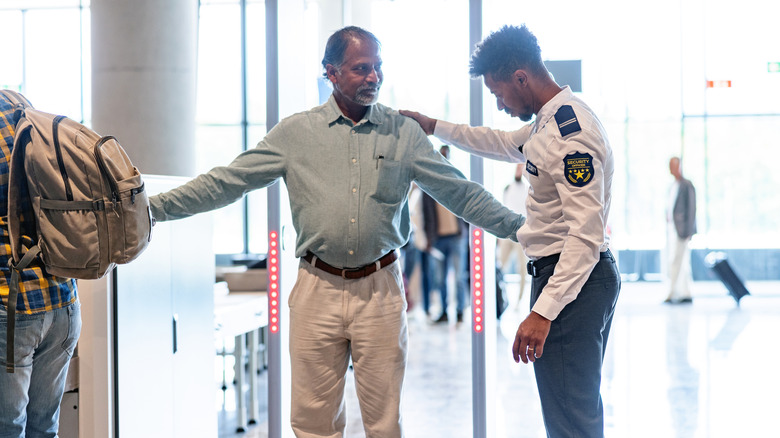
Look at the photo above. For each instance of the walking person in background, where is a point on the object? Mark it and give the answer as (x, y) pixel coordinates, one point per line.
(515, 194)
(447, 244)
(416, 253)
(681, 226)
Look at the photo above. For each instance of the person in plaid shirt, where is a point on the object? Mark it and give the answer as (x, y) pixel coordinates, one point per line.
(48, 321)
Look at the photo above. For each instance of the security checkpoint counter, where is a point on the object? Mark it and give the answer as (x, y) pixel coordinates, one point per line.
(242, 314)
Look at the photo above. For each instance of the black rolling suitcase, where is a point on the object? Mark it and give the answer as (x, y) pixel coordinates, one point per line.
(720, 264)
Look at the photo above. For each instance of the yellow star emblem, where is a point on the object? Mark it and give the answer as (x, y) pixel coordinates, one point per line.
(579, 174)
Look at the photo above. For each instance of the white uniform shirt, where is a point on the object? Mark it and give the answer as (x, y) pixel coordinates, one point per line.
(569, 166)
(515, 195)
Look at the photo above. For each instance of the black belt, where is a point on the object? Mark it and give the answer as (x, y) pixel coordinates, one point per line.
(534, 266)
(352, 273)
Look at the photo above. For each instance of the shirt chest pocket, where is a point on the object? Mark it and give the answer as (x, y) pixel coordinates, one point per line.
(392, 181)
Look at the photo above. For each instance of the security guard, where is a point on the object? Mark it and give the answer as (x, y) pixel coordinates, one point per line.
(569, 166)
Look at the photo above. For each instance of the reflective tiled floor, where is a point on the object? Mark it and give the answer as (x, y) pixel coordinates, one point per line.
(708, 369)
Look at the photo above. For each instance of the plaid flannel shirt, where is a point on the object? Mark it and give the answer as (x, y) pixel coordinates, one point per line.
(38, 291)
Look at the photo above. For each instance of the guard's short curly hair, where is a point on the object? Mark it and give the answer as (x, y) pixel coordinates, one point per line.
(506, 50)
(337, 45)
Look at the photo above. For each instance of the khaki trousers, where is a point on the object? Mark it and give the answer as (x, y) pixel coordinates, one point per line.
(679, 259)
(332, 318)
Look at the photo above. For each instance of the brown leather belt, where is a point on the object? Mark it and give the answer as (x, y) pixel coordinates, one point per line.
(352, 273)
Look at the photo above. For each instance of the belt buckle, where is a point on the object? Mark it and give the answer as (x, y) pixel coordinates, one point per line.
(531, 268)
(344, 272)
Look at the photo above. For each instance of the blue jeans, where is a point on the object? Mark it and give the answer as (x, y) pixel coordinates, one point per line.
(454, 250)
(413, 257)
(426, 278)
(568, 375)
(30, 396)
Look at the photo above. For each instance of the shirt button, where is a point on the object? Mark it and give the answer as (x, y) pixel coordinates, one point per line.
(354, 190)
(354, 160)
(352, 220)
(351, 252)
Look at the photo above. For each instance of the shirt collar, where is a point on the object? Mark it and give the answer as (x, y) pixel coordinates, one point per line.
(373, 114)
(549, 109)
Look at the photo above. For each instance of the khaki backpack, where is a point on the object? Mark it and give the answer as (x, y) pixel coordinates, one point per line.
(91, 209)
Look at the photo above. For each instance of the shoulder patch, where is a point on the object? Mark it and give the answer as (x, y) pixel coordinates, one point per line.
(530, 168)
(567, 121)
(578, 169)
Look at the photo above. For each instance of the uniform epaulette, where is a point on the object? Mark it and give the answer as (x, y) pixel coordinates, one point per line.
(567, 121)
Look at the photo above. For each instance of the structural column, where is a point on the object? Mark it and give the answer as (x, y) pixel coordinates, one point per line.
(144, 64)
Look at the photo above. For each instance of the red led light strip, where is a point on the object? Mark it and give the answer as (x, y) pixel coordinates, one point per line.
(718, 84)
(477, 281)
(273, 281)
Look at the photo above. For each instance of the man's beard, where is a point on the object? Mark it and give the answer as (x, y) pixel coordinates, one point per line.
(364, 99)
(523, 117)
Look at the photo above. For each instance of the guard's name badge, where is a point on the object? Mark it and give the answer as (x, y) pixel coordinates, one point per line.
(578, 169)
(530, 168)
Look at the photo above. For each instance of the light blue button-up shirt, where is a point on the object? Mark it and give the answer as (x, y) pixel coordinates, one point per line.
(348, 183)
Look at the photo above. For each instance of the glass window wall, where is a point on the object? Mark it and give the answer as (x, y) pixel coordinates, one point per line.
(231, 110)
(668, 78)
(55, 78)
(671, 78)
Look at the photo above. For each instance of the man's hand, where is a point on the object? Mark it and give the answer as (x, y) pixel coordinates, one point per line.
(428, 124)
(530, 337)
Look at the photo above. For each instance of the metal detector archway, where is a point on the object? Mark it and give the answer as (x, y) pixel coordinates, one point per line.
(481, 253)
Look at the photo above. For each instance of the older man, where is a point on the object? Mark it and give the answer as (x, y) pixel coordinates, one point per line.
(348, 166)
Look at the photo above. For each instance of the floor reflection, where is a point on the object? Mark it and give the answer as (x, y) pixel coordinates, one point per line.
(702, 370)
(683, 391)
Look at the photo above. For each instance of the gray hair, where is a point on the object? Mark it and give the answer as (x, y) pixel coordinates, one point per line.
(337, 45)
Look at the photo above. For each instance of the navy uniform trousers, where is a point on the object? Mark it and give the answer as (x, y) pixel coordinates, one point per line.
(568, 375)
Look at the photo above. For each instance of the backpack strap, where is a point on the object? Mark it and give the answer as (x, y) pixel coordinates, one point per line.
(13, 221)
(56, 204)
(20, 101)
(16, 98)
(17, 178)
(13, 293)
(16, 172)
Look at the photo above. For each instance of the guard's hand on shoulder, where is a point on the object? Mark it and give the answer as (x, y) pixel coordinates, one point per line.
(428, 124)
